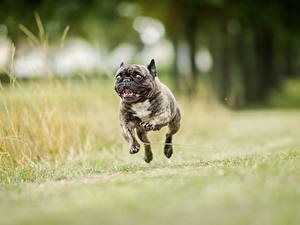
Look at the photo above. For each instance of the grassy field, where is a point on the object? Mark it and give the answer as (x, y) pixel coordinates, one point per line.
(63, 161)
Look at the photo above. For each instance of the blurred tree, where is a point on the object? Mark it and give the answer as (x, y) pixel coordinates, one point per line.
(254, 44)
(92, 19)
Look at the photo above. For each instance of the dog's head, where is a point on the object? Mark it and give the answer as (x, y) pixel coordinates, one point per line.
(135, 83)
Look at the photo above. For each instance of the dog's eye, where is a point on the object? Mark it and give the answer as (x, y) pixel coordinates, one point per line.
(118, 77)
(138, 76)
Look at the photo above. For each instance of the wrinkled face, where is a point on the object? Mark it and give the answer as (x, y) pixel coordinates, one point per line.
(134, 83)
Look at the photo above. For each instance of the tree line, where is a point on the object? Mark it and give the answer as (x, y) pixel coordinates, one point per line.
(254, 44)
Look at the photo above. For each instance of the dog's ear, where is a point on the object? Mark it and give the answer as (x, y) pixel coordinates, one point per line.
(120, 67)
(152, 68)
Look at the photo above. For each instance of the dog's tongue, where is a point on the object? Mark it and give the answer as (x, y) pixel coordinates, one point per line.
(127, 90)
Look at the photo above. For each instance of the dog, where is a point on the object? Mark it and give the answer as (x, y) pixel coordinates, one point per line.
(146, 105)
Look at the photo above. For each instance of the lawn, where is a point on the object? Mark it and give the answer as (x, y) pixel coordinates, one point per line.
(63, 161)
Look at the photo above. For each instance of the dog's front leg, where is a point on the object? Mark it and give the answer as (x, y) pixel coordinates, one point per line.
(129, 135)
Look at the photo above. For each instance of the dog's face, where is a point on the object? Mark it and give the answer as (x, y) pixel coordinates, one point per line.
(135, 83)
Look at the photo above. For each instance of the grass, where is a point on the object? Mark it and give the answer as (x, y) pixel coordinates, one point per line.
(63, 161)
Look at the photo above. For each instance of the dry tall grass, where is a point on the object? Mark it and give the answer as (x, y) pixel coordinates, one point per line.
(54, 120)
(58, 120)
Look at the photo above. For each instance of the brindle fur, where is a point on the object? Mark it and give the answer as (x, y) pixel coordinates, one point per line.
(158, 103)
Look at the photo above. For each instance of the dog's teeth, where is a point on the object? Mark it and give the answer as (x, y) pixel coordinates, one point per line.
(126, 94)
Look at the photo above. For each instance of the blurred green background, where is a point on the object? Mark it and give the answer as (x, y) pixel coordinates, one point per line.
(62, 157)
(242, 53)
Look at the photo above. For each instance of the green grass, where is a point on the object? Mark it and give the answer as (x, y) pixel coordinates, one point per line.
(63, 161)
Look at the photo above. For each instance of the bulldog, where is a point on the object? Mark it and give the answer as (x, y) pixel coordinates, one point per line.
(146, 105)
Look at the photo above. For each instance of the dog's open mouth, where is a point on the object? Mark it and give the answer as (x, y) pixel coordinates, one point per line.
(127, 92)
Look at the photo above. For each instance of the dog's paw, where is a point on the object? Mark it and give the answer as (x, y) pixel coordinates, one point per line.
(148, 156)
(168, 150)
(135, 148)
(148, 126)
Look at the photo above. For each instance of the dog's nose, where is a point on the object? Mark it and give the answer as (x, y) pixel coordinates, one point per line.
(126, 79)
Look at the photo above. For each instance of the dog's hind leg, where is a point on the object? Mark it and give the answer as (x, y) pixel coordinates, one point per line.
(173, 126)
(144, 138)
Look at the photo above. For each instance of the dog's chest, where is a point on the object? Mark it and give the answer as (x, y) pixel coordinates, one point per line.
(141, 109)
